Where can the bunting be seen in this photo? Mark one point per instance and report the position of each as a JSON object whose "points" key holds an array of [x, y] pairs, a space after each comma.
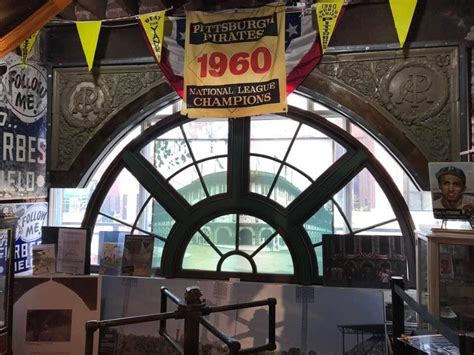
{"points": [[327, 12], [303, 48], [26, 46], [402, 12], [153, 24], [89, 36]]}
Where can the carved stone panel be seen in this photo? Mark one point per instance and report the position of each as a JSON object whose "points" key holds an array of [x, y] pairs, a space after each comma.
{"points": [[85, 101], [417, 91]]}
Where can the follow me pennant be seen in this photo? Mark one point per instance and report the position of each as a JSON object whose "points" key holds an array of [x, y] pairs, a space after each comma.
{"points": [[234, 63]]}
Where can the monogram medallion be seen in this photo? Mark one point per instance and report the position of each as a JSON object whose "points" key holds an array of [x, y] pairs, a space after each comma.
{"points": [[415, 91]]}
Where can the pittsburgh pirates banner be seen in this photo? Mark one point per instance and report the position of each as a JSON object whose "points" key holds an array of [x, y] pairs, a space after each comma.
{"points": [[234, 63]]}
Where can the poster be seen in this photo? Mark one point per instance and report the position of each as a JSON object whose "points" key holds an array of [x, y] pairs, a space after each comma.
{"points": [[363, 260], [23, 103], [234, 63], [71, 250], [300, 310], [452, 189], [43, 324], [31, 217]]}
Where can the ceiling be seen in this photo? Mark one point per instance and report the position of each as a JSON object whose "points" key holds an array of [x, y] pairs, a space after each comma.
{"points": [[111, 9]]}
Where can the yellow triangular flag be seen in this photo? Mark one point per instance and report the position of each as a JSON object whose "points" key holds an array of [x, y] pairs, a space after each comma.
{"points": [[402, 12], [327, 13], [89, 35], [153, 25], [26, 46]]}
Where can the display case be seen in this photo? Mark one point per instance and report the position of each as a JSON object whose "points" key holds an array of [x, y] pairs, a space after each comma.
{"points": [[445, 276], [8, 223]]}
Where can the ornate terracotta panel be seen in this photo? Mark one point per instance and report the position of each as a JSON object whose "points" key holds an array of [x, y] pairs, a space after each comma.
{"points": [[90, 109], [409, 100]]}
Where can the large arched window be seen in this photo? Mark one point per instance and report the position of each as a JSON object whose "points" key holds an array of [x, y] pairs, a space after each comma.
{"points": [[250, 197]]}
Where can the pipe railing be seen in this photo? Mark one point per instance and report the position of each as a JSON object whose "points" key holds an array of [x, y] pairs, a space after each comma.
{"points": [[192, 310], [464, 342]]}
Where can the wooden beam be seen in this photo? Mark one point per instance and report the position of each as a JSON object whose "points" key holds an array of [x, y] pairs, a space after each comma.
{"points": [[33, 23]]}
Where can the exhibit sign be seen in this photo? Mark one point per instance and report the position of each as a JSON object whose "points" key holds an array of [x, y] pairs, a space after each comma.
{"points": [[49, 314], [234, 63], [452, 189], [23, 124], [31, 217]]}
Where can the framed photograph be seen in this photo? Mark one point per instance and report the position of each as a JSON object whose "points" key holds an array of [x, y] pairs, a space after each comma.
{"points": [[49, 325], [362, 260], [452, 189]]}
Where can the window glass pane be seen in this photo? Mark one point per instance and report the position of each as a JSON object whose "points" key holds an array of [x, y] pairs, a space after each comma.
{"points": [[121, 205], [419, 202], [262, 174], [207, 138], [251, 233], [340, 225], [123, 198], [162, 221], [313, 152], [274, 258], [221, 231], [289, 185], [200, 255], [317, 225], [293, 182], [271, 135], [320, 223], [187, 183], [214, 173], [365, 204], [236, 263], [170, 152]]}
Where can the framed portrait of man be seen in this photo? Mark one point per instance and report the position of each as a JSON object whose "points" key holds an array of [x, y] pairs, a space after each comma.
{"points": [[452, 189]]}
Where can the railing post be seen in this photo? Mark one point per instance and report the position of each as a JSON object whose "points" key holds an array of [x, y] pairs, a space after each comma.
{"points": [[271, 323], [398, 314], [193, 310], [163, 309], [465, 345], [91, 327]]}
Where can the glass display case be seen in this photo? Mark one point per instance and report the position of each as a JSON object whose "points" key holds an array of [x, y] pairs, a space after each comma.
{"points": [[8, 223], [445, 276]]}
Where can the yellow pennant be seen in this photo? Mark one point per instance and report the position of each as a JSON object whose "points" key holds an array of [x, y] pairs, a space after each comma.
{"points": [[402, 12], [327, 13], [26, 46], [153, 25], [89, 35]]}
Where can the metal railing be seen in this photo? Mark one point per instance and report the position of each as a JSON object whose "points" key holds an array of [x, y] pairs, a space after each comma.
{"points": [[464, 342], [192, 310]]}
